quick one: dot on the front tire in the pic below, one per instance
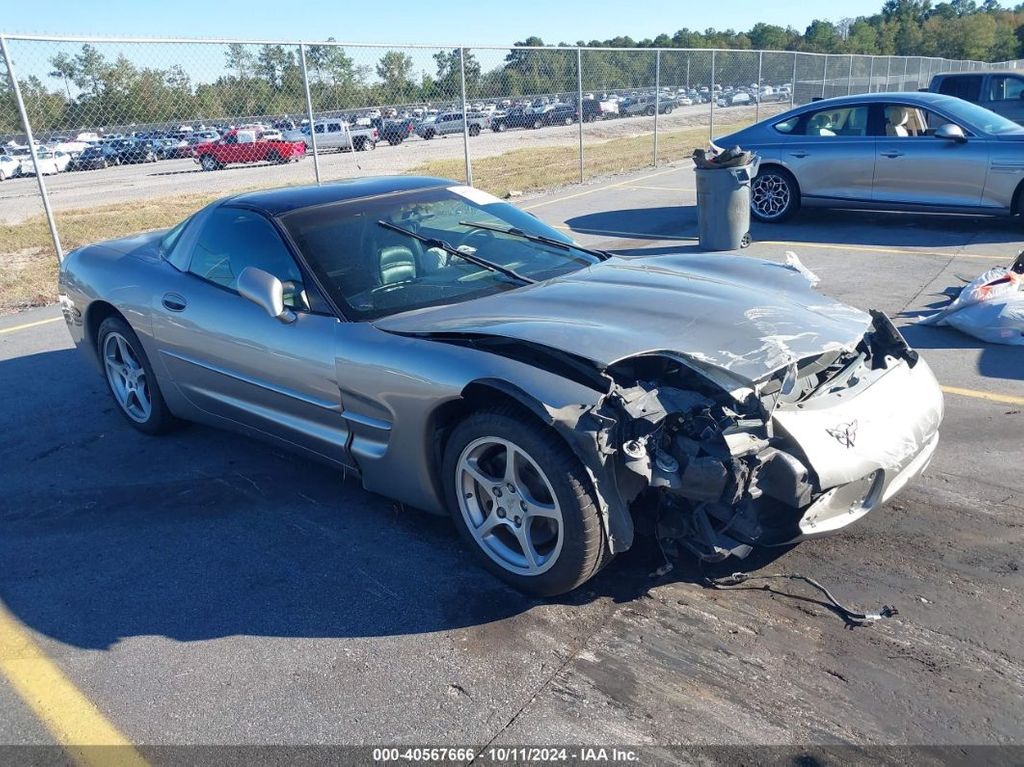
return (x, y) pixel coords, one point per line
(523, 503)
(130, 378)
(774, 195)
(474, 130)
(208, 163)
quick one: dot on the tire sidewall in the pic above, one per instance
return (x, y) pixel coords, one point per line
(160, 418)
(563, 471)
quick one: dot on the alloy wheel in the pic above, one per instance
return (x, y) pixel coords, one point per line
(509, 506)
(127, 377)
(770, 195)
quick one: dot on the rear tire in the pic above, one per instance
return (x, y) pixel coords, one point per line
(538, 124)
(207, 162)
(501, 127)
(544, 504)
(273, 156)
(474, 130)
(130, 379)
(774, 195)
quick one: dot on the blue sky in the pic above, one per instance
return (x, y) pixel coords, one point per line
(483, 22)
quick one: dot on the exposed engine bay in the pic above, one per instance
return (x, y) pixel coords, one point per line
(710, 467)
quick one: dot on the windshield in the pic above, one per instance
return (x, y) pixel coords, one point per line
(983, 119)
(373, 271)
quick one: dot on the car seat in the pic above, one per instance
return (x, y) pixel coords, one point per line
(896, 119)
(397, 264)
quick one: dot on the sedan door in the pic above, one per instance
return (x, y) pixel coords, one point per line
(234, 361)
(830, 152)
(914, 167)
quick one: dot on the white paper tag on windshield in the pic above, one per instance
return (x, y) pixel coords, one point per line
(474, 195)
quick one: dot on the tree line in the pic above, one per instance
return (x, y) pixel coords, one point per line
(87, 89)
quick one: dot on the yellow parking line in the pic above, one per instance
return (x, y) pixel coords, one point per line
(599, 189)
(29, 325)
(71, 718)
(876, 249)
(1006, 399)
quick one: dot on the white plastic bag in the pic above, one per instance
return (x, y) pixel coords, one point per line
(990, 307)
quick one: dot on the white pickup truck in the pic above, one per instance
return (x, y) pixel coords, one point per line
(335, 134)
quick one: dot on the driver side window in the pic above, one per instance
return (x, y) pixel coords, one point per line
(234, 238)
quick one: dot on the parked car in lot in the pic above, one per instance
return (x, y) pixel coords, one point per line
(893, 151)
(10, 166)
(734, 99)
(559, 114)
(336, 134)
(516, 117)
(1002, 92)
(50, 163)
(646, 105)
(93, 157)
(452, 122)
(244, 146)
(460, 356)
(132, 151)
(395, 131)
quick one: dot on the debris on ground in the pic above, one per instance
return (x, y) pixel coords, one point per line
(794, 263)
(990, 307)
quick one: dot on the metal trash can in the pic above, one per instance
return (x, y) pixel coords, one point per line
(723, 206)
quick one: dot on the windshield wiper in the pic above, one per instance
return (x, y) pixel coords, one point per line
(516, 232)
(433, 242)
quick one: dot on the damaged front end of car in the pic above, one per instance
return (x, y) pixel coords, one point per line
(718, 465)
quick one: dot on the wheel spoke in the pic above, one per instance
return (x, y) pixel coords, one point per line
(535, 509)
(529, 553)
(472, 468)
(490, 522)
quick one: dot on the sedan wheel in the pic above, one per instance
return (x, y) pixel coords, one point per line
(521, 499)
(130, 377)
(773, 195)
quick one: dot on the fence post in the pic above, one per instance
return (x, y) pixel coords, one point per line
(888, 71)
(657, 100)
(757, 103)
(465, 117)
(849, 80)
(687, 73)
(871, 76)
(906, 65)
(579, 95)
(824, 75)
(309, 112)
(920, 72)
(711, 124)
(32, 150)
(792, 90)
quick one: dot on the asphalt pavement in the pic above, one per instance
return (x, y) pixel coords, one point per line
(202, 588)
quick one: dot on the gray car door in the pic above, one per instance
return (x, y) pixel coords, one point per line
(232, 360)
(913, 166)
(831, 154)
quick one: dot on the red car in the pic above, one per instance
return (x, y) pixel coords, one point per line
(241, 146)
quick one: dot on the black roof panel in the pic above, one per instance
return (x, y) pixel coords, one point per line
(275, 202)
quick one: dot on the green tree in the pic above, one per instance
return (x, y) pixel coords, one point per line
(395, 72)
(64, 68)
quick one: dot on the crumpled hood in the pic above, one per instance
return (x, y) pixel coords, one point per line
(743, 315)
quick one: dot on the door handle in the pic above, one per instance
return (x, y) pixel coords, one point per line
(800, 154)
(174, 302)
(892, 153)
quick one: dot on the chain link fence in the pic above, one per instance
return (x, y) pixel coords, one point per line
(106, 137)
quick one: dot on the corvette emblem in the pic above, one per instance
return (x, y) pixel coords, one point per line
(845, 433)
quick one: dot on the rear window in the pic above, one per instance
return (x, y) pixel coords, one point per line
(966, 87)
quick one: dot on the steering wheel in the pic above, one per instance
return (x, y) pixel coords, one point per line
(474, 231)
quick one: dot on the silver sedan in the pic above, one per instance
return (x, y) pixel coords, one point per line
(890, 151)
(460, 356)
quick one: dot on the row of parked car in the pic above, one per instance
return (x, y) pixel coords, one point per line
(213, 146)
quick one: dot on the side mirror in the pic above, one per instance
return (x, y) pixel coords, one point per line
(951, 132)
(264, 289)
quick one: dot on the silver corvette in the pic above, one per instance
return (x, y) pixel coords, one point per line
(462, 357)
(891, 151)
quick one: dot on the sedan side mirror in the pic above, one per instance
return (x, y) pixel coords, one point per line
(264, 289)
(951, 132)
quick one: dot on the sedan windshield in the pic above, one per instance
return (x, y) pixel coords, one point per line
(374, 270)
